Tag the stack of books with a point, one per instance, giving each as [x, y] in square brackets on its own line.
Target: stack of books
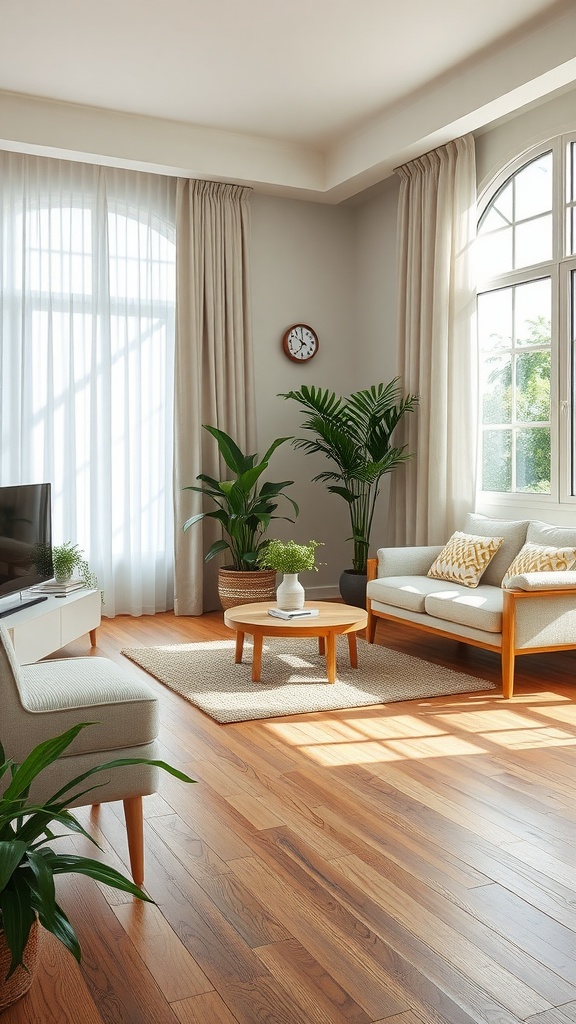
[300, 613]
[54, 587]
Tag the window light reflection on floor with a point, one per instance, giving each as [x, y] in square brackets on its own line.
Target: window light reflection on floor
[366, 737]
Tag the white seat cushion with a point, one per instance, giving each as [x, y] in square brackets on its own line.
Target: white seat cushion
[480, 608]
[95, 690]
[408, 592]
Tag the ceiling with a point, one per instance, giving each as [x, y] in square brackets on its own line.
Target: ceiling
[340, 91]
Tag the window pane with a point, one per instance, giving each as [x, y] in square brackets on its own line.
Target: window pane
[571, 229]
[495, 319]
[533, 312]
[494, 253]
[496, 385]
[533, 242]
[500, 211]
[497, 460]
[533, 188]
[533, 387]
[533, 460]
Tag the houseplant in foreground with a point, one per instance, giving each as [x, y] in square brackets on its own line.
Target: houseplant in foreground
[289, 558]
[245, 507]
[28, 865]
[355, 434]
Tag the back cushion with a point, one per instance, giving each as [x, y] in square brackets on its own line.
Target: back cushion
[551, 536]
[513, 532]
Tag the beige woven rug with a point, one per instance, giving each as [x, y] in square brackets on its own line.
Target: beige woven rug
[294, 677]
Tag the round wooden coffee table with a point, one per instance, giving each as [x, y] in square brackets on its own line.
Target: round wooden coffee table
[332, 620]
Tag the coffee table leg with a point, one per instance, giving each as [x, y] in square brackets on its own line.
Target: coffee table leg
[321, 645]
[257, 658]
[239, 648]
[353, 649]
[331, 657]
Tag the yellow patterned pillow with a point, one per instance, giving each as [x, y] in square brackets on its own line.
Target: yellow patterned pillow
[539, 558]
[464, 558]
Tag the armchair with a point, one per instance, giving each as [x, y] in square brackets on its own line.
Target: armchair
[43, 700]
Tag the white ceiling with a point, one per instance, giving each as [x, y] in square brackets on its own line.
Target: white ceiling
[330, 81]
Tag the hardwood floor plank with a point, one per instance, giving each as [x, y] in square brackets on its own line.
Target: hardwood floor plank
[315, 989]
[351, 963]
[175, 971]
[204, 1009]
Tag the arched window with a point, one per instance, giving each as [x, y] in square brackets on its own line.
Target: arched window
[87, 300]
[526, 338]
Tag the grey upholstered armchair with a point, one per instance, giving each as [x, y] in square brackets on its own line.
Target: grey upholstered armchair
[43, 700]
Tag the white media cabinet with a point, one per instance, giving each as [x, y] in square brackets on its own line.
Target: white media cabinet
[44, 628]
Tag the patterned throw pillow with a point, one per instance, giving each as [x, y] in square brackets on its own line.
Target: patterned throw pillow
[464, 558]
[539, 558]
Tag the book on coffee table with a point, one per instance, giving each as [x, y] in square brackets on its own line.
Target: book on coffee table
[300, 613]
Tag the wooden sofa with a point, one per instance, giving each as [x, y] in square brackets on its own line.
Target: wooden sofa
[535, 613]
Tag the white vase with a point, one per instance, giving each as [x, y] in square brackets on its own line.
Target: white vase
[290, 594]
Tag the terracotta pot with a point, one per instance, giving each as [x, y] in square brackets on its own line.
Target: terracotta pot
[236, 587]
[18, 983]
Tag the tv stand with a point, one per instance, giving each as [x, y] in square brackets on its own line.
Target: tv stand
[27, 603]
[42, 628]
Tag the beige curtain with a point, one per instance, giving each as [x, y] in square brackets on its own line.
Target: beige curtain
[213, 365]
[437, 344]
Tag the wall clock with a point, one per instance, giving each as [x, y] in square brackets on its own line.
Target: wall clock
[300, 343]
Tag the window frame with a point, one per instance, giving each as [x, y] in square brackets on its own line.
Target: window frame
[563, 351]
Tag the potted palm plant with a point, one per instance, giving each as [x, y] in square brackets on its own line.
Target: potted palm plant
[245, 507]
[28, 865]
[355, 434]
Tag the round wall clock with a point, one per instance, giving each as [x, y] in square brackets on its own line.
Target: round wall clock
[300, 343]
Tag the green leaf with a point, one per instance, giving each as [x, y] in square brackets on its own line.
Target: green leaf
[17, 918]
[70, 864]
[39, 759]
[11, 853]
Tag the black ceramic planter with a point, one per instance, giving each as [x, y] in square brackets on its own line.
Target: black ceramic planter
[353, 588]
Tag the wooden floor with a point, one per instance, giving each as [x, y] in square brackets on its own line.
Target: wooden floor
[408, 863]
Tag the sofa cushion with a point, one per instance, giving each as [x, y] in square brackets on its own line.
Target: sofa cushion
[553, 536]
[407, 592]
[514, 533]
[481, 609]
[540, 558]
[465, 558]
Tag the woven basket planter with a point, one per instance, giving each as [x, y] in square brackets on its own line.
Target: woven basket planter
[236, 588]
[18, 983]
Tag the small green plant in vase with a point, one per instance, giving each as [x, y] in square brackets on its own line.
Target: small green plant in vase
[68, 558]
[289, 558]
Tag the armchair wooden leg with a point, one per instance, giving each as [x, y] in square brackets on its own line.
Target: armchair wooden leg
[371, 627]
[135, 830]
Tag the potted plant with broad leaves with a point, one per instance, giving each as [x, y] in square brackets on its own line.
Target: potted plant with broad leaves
[245, 506]
[29, 865]
[355, 434]
[290, 559]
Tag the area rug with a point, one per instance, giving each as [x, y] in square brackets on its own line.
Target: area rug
[294, 677]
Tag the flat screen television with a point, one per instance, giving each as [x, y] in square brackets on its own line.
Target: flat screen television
[25, 543]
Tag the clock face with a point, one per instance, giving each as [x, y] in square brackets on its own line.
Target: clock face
[300, 343]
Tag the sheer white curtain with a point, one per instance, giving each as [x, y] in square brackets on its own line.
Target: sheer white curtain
[437, 344]
[214, 364]
[86, 363]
